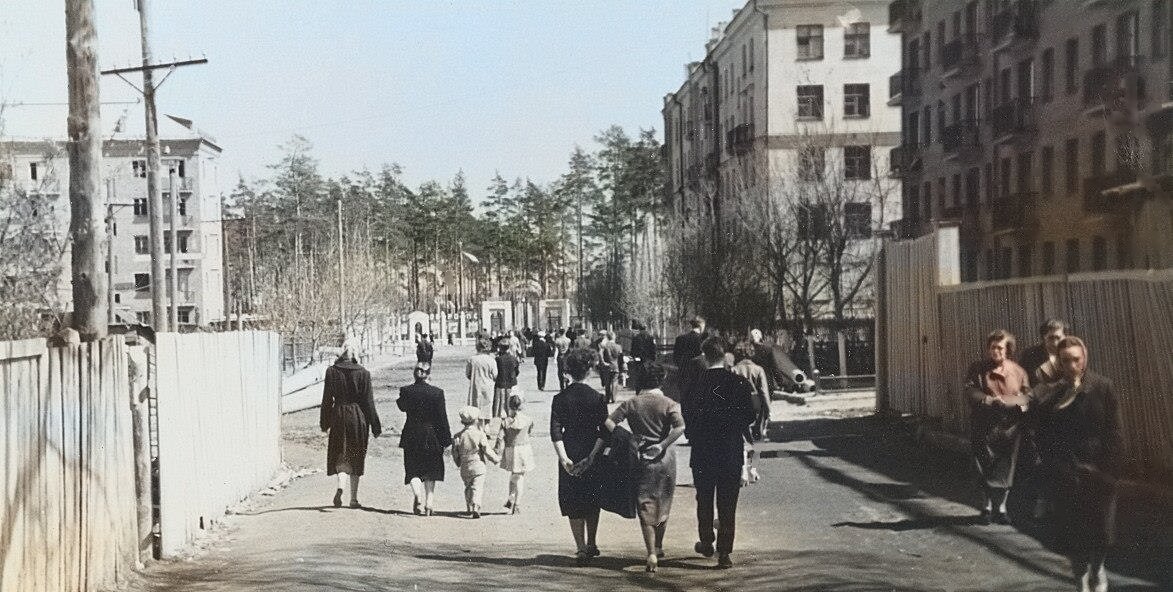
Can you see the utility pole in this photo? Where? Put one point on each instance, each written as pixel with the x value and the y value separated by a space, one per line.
pixel 109 252
pixel 173 247
pixel 90 302
pixel 154 198
pixel 341 277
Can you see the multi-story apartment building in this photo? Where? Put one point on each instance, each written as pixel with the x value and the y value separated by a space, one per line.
pixel 1041 128
pixel 787 107
pixel 43 166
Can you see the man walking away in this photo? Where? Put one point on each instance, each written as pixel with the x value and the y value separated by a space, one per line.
pixel 542 352
pixel 423 350
pixel 717 412
pixel 561 346
pixel 688 345
pixel 643 354
pixel 610 364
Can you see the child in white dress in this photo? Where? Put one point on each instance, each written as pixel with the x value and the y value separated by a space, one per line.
pixel 471 452
pixel 517 456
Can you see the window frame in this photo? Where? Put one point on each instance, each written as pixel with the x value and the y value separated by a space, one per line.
pixel 813 103
pixel 805 39
pixel 857 41
pixel 857 167
pixel 859 102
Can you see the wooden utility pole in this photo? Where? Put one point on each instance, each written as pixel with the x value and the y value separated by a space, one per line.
pixel 341 277
pixel 173 247
pixel 85 176
pixel 109 252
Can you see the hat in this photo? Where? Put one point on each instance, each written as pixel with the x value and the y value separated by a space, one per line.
pixel 469 415
pixel 541 333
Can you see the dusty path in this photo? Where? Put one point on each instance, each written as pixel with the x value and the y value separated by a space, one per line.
pixel 844 505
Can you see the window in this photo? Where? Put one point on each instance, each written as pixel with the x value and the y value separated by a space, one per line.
pixel 991 269
pixel 180 167
pixel 812 222
pixel 1127 37
pixel 182 206
pixel 744 60
pixel 812 160
pixel 972 187
pixel 1160 30
pixel 857 162
pixel 941 194
pixel 117 298
pixel 988 181
pixel 143 317
pixel 183 315
pixel 1123 256
pixel 1072 255
pixel 971 102
pixel 969 265
pixel 810 42
pixel 913 129
pixel 810 101
pixel 142 282
pixel 139 167
pixel 1070 64
pixel 751 62
pixel 912 206
pixel 857 220
pixel 928 50
pixel 1025 170
pixel 1048 82
pixel 941 121
pixel 857 40
pixel 928 130
pixel 1024 261
pixel 941 41
pixel 1071 164
pixel 1004 263
pixel 1048 258
pixel 1099 253
pixel 140 206
pixel 856 100
pixel 1099 45
pixel 1004 178
pixel 1099 146
pixel 142 245
pixel 1047 171
pixel 32 171
pixel 928 191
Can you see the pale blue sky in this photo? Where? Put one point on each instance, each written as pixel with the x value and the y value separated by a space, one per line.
pixel 433 85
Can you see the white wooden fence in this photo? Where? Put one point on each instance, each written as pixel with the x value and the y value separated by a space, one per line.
pixel 68 516
pixel 935 327
pixel 219 427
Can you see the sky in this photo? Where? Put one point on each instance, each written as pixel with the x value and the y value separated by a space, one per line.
pixel 436 86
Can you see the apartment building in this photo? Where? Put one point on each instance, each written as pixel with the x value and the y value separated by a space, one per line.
pixel 43 166
pixel 789 95
pixel 1041 128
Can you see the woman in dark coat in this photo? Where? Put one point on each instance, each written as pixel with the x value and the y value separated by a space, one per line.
pixel 348 414
pixel 1077 426
pixel 577 415
pixel 424 438
pixel 996 388
pixel 656 423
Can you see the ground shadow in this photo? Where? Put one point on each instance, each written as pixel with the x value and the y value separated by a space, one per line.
pixel 925 523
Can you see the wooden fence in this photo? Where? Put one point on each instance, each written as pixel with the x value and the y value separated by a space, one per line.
pixel 935 327
pixel 218 426
pixel 68 516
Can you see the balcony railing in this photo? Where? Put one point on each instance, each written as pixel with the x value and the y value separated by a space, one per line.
pixel 1020 19
pixel 1013 212
pixel 959 53
pixel 1014 117
pixel 963 135
pixel 184 183
pixel 1094 198
pixel 1116 85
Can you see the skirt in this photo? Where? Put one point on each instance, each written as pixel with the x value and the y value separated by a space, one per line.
pixel 518 459
pixel 655 488
pixel 578 497
pixel 426 465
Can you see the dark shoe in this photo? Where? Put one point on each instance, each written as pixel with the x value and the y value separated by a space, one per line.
pixel 476 514
pixel 582 558
pixel 427 511
pixel 724 562
pixel 355 504
pixel 509 503
pixel 415 508
pixel 660 554
pixel 593 550
pixel 984 518
pixel 999 518
pixel 703 548
pixel 338 498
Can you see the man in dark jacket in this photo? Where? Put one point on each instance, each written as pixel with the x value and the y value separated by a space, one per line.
pixel 508 367
pixel 1041 361
pixel 423 350
pixel 718 409
pixel 643 354
pixel 610 364
pixel 542 352
pixel 688 345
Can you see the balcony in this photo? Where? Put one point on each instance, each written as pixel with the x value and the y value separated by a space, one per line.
pixel 901 12
pixel 962 139
pixel 1104 193
pixel 903 161
pixel 960 56
pixel 1019 22
pixel 1014 119
pixel 739 140
pixel 184 183
pixel 1115 87
pixel 1014 212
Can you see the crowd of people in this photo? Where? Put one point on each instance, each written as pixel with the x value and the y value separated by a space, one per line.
pixel 1043 420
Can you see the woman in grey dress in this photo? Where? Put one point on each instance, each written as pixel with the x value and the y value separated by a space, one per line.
pixel 656 423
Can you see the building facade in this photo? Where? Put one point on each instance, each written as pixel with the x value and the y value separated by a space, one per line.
pixel 783 132
pixel 1040 128
pixel 43 166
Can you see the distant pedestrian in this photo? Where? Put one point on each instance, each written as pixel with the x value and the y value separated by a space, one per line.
pixel 516 347
pixel 581 341
pixel 542 353
pixel 1041 360
pixel 688 345
pixel 577 416
pixel 424 438
pixel 481 371
pixel 472 454
pixel 508 367
pixel 424 349
pixel 610 365
pixel 996 388
pixel 755 375
pixel 517 455
pixel 1077 419
pixel 643 354
pixel 655 422
pixel 561 346
pixel 718 409
pixel 348 413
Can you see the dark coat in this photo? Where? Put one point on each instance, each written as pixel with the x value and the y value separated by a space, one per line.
pixel 1034 360
pixel 508 367
pixel 542 350
pixel 687 347
pixel 577 418
pixel 424 351
pixel 1080 448
pixel 717 410
pixel 643 346
pixel 426 428
pixel 348 413
pixel 618 474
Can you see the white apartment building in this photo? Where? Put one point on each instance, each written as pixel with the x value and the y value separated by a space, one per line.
pixel 1043 129
pixel 791 95
pixel 43 166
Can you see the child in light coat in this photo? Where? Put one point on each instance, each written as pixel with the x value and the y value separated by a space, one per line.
pixel 517 455
pixel 471 452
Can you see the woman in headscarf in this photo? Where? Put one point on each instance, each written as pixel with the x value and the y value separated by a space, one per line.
pixel 348 413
